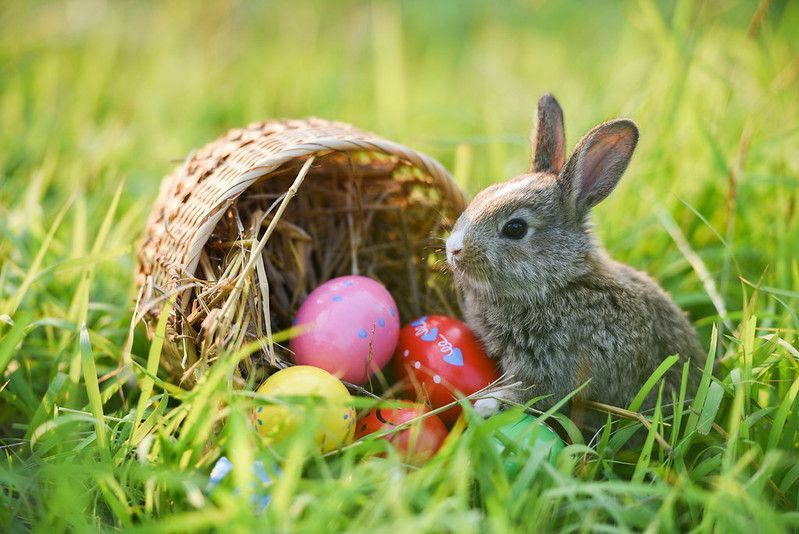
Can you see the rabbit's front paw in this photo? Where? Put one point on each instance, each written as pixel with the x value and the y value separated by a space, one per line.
pixel 486 407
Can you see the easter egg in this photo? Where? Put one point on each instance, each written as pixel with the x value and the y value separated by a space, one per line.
pixel 524 438
pixel 418 442
pixel 438 357
pixel 348 326
pixel 261 484
pixel 318 394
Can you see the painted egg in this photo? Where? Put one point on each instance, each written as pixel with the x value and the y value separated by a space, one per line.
pixel 438 357
pixel 349 326
pixel 316 394
pixel 523 439
pixel 418 442
pixel 261 484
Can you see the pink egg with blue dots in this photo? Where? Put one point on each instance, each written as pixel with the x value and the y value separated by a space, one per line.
pixel 349 326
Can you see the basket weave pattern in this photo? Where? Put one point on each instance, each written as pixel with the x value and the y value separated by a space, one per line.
pixel 382 201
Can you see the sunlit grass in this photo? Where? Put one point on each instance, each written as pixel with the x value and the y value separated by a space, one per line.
pixel 98 100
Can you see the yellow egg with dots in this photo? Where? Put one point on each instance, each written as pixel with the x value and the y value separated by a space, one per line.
pixel 303 394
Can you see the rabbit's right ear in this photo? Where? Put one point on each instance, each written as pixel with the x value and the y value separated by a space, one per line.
pixel 548 139
pixel 597 163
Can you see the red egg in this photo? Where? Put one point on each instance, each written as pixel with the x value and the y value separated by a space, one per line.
pixel 418 442
pixel 438 357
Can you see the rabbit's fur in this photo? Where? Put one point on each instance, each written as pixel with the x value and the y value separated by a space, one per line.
pixel 552 306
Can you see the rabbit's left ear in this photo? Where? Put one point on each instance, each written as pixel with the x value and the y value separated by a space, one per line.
pixel 598 162
pixel 548 139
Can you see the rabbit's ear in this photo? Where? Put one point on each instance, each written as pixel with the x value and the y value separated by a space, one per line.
pixel 548 137
pixel 598 162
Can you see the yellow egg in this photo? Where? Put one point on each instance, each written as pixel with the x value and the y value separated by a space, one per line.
pixel 328 401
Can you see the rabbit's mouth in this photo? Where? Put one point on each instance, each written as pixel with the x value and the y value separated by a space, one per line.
pixel 466 264
pixel 469 274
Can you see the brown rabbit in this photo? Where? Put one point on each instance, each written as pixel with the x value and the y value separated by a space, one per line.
pixel 542 293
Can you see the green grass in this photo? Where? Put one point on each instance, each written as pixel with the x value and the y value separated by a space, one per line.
pixel 98 100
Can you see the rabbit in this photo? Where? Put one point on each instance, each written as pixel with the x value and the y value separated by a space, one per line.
pixel 544 296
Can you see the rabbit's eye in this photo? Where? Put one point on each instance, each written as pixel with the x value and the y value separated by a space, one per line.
pixel 515 229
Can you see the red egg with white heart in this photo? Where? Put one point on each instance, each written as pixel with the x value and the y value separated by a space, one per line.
pixel 418 442
pixel 439 357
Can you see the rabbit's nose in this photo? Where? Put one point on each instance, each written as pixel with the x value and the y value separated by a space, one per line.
pixel 454 243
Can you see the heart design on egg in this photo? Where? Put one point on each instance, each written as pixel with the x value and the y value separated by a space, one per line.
pixel 455 357
pixel 431 335
pixel 420 321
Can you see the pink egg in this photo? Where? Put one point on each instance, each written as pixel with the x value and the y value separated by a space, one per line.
pixel 350 328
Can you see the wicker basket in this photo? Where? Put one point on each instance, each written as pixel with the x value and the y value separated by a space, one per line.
pixel 252 222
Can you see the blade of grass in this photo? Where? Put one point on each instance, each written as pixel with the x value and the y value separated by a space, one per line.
pixel 775 434
pixel 679 406
pixel 9 343
pixel 704 384
pixel 48 402
pixel 32 272
pixel 153 362
pixel 698 266
pixel 115 497
pixel 710 408
pixel 93 389
pixel 642 465
pixel 640 397
pixel 108 219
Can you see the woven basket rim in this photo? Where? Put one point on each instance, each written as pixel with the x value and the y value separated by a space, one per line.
pixel 366 142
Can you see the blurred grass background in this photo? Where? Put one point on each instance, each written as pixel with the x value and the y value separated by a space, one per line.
pixel 97 95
